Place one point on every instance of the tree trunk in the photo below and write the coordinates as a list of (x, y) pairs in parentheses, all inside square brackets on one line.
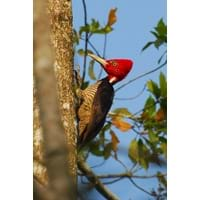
[(54, 118), (62, 38)]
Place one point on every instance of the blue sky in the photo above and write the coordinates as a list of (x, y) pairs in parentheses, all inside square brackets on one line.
[(131, 32)]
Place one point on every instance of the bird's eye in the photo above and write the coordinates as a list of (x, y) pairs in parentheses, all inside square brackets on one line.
[(113, 63)]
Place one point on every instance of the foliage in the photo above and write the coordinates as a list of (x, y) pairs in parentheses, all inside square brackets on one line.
[(149, 142), (160, 33), (95, 28), (152, 143)]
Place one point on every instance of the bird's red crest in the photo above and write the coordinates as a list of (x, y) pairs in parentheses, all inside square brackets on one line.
[(117, 69)]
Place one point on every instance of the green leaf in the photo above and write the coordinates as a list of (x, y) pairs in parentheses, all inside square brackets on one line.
[(162, 179), (91, 70), (149, 102), (133, 151), (153, 88), (82, 52), (147, 45), (163, 85), (155, 34), (163, 129), (100, 31), (107, 29), (95, 149), (163, 104), (153, 137), (143, 155), (163, 139), (161, 28), (106, 127), (163, 146), (150, 106), (160, 32), (94, 25), (107, 150), (102, 133), (158, 43), (139, 153), (84, 29)]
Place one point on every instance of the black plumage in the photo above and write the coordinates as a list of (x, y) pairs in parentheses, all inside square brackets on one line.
[(97, 100)]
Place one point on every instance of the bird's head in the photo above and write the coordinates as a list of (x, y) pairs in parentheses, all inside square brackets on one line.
[(117, 69)]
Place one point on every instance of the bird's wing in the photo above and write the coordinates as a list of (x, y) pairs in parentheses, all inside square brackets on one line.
[(101, 105)]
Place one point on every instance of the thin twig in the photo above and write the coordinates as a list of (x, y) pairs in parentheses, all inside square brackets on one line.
[(142, 75), (134, 167), (143, 109), (162, 56), (132, 98), (140, 188), (121, 163), (137, 132), (104, 46), (105, 182), (104, 54), (93, 47), (86, 42), (99, 165), (113, 181)]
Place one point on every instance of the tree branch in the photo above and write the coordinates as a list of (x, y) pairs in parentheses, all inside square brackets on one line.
[(140, 188), (113, 181), (94, 179), (142, 75), (127, 175), (86, 42)]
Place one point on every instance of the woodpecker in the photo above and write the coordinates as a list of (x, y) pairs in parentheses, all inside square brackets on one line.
[(98, 97)]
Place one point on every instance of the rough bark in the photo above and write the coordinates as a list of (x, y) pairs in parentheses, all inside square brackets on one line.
[(54, 140), (62, 38)]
